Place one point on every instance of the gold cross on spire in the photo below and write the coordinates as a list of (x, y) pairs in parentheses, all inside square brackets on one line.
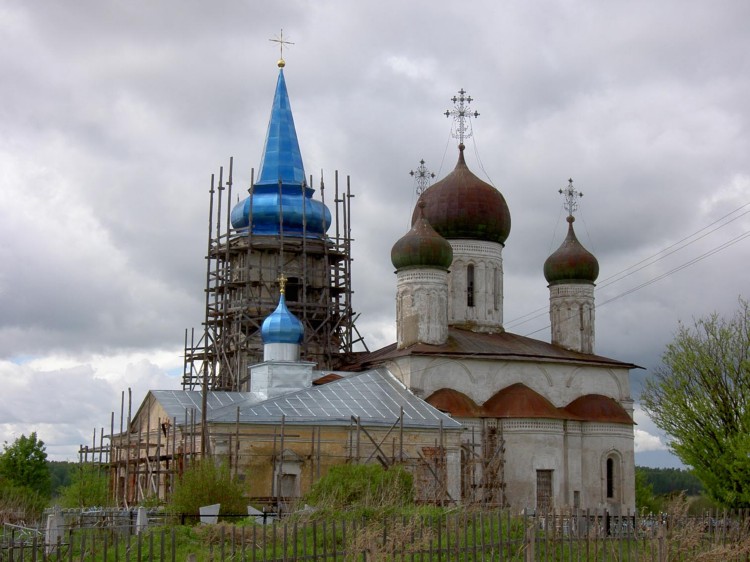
[(281, 42), (282, 283)]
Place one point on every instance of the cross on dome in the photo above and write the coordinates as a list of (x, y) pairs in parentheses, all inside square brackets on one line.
[(282, 283), (571, 197), (422, 177), (461, 114)]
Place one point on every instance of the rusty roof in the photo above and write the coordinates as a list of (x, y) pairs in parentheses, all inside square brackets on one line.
[(520, 401), (595, 407), (455, 403), (463, 206), (325, 379), (504, 345)]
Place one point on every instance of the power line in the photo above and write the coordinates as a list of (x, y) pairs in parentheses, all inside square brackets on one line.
[(680, 267), (652, 259)]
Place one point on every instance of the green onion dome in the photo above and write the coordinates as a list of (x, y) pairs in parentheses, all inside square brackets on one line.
[(422, 246), (571, 261)]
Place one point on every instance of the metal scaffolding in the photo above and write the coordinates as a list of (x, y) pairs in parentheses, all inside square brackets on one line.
[(242, 289)]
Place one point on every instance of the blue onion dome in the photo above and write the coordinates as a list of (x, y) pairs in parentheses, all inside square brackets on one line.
[(462, 206), (422, 246), (281, 202), (282, 326), (571, 262)]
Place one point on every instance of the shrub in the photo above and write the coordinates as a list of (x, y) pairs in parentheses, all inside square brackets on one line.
[(20, 505), (206, 483), (89, 487), (367, 487)]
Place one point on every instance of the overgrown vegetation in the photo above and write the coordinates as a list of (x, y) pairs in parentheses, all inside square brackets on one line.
[(204, 483), (89, 486), (364, 488)]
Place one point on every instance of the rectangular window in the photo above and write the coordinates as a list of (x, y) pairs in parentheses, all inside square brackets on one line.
[(543, 490), (469, 285)]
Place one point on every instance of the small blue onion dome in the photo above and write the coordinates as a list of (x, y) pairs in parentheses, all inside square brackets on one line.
[(280, 202), (571, 262), (282, 326), (422, 246)]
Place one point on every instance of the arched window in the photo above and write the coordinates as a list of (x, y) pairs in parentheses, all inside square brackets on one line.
[(470, 285), (610, 478)]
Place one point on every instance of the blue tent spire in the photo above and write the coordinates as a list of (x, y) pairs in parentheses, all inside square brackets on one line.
[(282, 159), (281, 202)]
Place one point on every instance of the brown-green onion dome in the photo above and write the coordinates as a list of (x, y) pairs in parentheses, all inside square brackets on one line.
[(422, 246), (461, 206), (571, 262)]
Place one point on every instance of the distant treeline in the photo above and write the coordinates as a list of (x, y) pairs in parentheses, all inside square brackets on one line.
[(665, 481)]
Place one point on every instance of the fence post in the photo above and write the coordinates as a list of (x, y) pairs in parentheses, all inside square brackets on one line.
[(530, 541), (661, 541)]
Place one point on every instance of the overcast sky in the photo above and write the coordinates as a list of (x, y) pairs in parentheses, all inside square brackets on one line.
[(113, 115)]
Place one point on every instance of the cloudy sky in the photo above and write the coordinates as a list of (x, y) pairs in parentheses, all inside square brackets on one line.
[(113, 116)]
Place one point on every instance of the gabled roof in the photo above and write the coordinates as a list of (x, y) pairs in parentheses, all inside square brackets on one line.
[(176, 402), (504, 345), (375, 397)]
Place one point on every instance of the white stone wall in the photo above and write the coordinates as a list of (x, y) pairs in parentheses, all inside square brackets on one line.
[(575, 451), (602, 441), (421, 306), (480, 379), (486, 314), (571, 310)]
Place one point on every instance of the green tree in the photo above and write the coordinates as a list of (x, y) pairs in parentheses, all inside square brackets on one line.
[(700, 397), (23, 464), (645, 500), (89, 487)]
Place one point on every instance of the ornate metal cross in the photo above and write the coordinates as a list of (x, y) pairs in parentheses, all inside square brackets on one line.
[(571, 197), (422, 177), (461, 114)]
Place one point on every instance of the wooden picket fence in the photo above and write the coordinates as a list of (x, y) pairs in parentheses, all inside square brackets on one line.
[(459, 536)]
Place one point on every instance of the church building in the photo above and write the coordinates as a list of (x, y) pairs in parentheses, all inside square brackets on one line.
[(479, 415)]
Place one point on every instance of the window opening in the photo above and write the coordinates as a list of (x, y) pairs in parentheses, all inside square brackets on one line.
[(543, 490), (470, 285)]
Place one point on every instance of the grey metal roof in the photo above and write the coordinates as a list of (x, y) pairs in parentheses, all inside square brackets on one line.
[(177, 402), (375, 396)]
